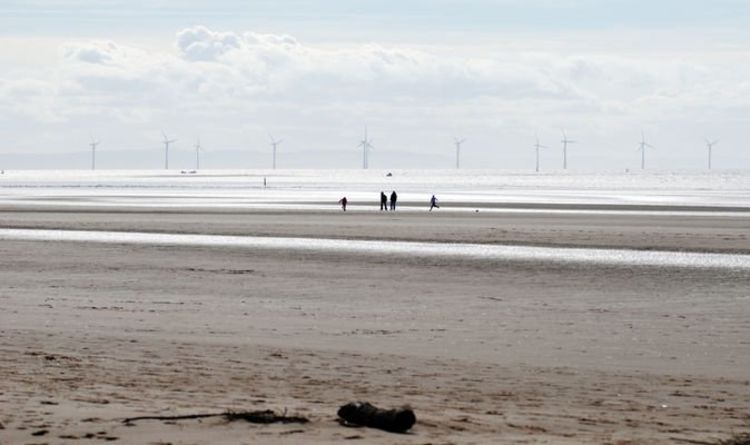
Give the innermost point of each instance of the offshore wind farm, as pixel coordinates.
(435, 158)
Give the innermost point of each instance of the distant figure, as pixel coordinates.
(394, 198)
(433, 203)
(264, 182)
(343, 202)
(383, 202)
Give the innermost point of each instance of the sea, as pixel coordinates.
(456, 190)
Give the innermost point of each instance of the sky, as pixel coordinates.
(416, 73)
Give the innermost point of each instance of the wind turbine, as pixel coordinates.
(458, 143)
(167, 141)
(565, 141)
(710, 146)
(642, 148)
(537, 146)
(198, 150)
(274, 144)
(366, 146)
(93, 145)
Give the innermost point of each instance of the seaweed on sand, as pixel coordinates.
(264, 417)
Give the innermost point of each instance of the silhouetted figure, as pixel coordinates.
(383, 202)
(343, 202)
(265, 184)
(433, 203)
(394, 198)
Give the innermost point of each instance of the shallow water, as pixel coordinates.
(302, 188)
(615, 257)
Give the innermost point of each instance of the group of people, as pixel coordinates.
(384, 204)
(384, 201)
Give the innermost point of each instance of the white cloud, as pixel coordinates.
(200, 43)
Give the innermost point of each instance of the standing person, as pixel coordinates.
(383, 202)
(394, 197)
(433, 203)
(343, 202)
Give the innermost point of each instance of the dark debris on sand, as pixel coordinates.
(398, 420)
(263, 417)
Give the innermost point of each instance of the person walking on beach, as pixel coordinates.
(383, 202)
(343, 202)
(394, 197)
(433, 203)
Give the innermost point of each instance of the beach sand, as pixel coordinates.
(484, 351)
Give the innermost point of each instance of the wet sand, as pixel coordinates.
(484, 351)
(705, 231)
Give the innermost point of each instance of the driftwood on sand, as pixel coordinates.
(397, 420)
(265, 416)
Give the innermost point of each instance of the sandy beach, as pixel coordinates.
(484, 350)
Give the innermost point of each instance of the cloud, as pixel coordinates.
(233, 67)
(96, 52)
(200, 43)
(228, 67)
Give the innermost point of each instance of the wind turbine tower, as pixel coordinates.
(366, 146)
(198, 149)
(458, 143)
(565, 141)
(274, 144)
(642, 148)
(710, 146)
(93, 145)
(537, 146)
(167, 141)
